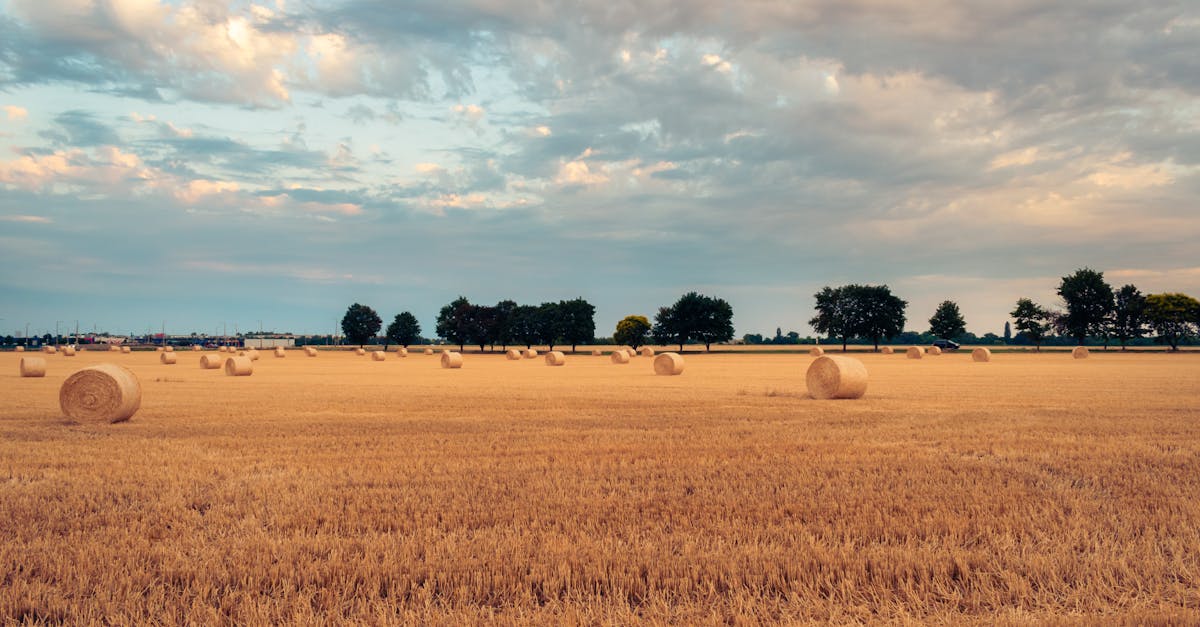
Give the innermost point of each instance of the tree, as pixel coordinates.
(404, 330)
(1033, 320)
(1129, 314)
(454, 322)
(694, 317)
(360, 324)
(881, 313)
(1089, 303)
(525, 325)
(632, 331)
(481, 321)
(715, 323)
(578, 322)
(502, 323)
(1007, 332)
(666, 329)
(550, 324)
(1173, 316)
(947, 322)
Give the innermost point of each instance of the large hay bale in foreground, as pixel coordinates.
(933, 350)
(1080, 352)
(167, 358)
(33, 367)
(816, 351)
(512, 354)
(104, 393)
(668, 364)
(646, 351)
(452, 360)
(310, 351)
(378, 355)
(360, 351)
(886, 350)
(981, 354)
(619, 357)
(915, 352)
(68, 351)
(279, 352)
(125, 350)
(239, 366)
(555, 358)
(530, 353)
(836, 377)
(211, 362)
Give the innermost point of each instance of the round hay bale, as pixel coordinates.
(310, 351)
(619, 357)
(836, 377)
(531, 353)
(20, 349)
(887, 350)
(49, 350)
(628, 349)
(512, 354)
(167, 358)
(126, 350)
(668, 364)
(452, 360)
(360, 351)
(429, 351)
(1080, 352)
(816, 351)
(169, 349)
(597, 352)
(555, 358)
(378, 355)
(915, 352)
(646, 351)
(402, 352)
(159, 349)
(933, 350)
(279, 352)
(113, 348)
(33, 367)
(102, 393)
(252, 354)
(68, 351)
(981, 354)
(196, 348)
(211, 362)
(239, 366)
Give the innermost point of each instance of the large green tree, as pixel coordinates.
(1033, 320)
(454, 322)
(632, 331)
(694, 317)
(550, 324)
(1174, 317)
(947, 321)
(502, 323)
(578, 320)
(526, 325)
(404, 329)
(1089, 301)
(837, 313)
(360, 324)
(1129, 315)
(867, 311)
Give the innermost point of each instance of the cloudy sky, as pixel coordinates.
(203, 162)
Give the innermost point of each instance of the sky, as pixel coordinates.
(202, 164)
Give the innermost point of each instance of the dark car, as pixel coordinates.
(946, 345)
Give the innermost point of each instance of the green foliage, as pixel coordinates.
(454, 322)
(1089, 303)
(577, 319)
(1032, 320)
(404, 330)
(947, 322)
(1174, 317)
(502, 323)
(694, 317)
(526, 325)
(360, 324)
(868, 311)
(1129, 315)
(549, 324)
(632, 331)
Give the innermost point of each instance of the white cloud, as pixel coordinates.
(15, 113)
(27, 219)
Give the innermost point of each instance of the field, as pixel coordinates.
(337, 489)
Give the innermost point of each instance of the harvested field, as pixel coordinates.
(1033, 488)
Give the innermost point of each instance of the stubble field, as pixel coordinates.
(340, 490)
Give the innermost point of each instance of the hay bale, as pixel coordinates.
(279, 352)
(19, 349)
(668, 364)
(68, 351)
(555, 358)
(530, 353)
(628, 349)
(619, 357)
(252, 354)
(452, 360)
(933, 350)
(429, 351)
(33, 367)
(816, 351)
(113, 348)
(886, 350)
(360, 351)
(126, 350)
(103, 393)
(915, 352)
(169, 349)
(49, 350)
(1080, 352)
(211, 362)
(159, 349)
(378, 355)
(981, 354)
(646, 351)
(836, 377)
(512, 354)
(196, 348)
(239, 366)
(167, 358)
(310, 351)
(597, 352)
(402, 352)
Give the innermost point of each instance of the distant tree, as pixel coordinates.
(990, 339)
(9, 340)
(1032, 320)
(947, 322)
(454, 322)
(1174, 317)
(360, 324)
(715, 322)
(1129, 315)
(752, 338)
(481, 322)
(502, 323)
(1089, 303)
(837, 313)
(881, 313)
(666, 329)
(578, 320)
(1007, 332)
(404, 330)
(632, 331)
(550, 323)
(526, 325)
(694, 317)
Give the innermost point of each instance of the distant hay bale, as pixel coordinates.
(279, 352)
(452, 360)
(915, 352)
(1080, 352)
(239, 366)
(68, 351)
(668, 364)
(196, 348)
(20, 349)
(126, 350)
(555, 358)
(512, 354)
(619, 357)
(378, 355)
(530, 353)
(159, 349)
(360, 351)
(933, 350)
(816, 351)
(628, 349)
(33, 367)
(310, 351)
(402, 352)
(429, 351)
(832, 377)
(646, 351)
(252, 354)
(167, 358)
(104, 393)
(211, 362)
(886, 350)
(981, 354)
(113, 348)
(597, 352)
(49, 350)
(169, 349)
